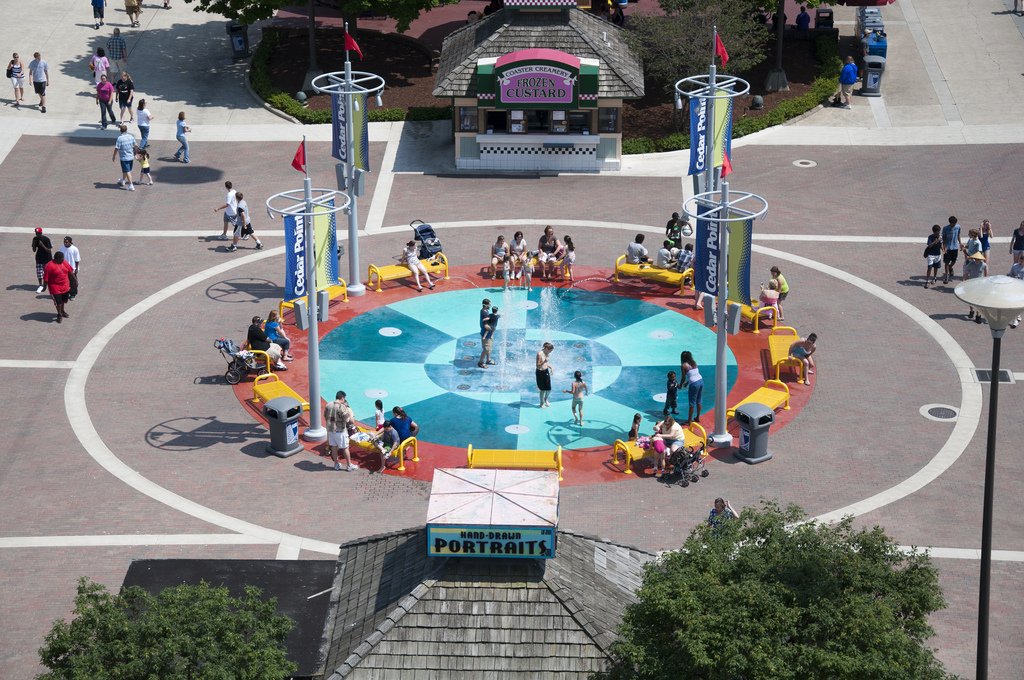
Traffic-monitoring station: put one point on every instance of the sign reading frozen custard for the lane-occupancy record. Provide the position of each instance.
(537, 78)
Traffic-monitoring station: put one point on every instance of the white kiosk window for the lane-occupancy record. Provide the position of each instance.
(579, 122)
(518, 124)
(559, 123)
(468, 119)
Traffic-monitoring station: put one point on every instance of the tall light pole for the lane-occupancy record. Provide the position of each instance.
(1000, 299)
(303, 205)
(347, 85)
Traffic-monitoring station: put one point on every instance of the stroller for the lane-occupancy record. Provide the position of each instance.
(689, 463)
(430, 245)
(241, 362)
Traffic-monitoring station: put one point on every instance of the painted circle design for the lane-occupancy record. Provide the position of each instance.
(389, 332)
(624, 347)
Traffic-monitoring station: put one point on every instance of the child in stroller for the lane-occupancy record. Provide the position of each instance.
(689, 462)
(430, 245)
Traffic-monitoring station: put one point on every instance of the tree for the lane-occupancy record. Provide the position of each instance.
(249, 11)
(678, 44)
(768, 597)
(185, 632)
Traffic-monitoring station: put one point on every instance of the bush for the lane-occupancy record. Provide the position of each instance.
(385, 115)
(826, 53)
(429, 113)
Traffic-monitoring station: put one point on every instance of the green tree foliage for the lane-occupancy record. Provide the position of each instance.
(193, 632)
(761, 599)
(678, 44)
(249, 11)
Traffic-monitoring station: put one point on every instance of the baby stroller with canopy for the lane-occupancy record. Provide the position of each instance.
(430, 245)
(241, 362)
(690, 463)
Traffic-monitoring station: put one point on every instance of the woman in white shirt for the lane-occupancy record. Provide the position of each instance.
(143, 117)
(520, 254)
(100, 65)
(410, 258)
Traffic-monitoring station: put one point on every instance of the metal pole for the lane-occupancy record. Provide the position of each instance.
(721, 436)
(709, 127)
(987, 511)
(316, 431)
(355, 286)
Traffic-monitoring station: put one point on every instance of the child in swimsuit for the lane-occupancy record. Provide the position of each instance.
(578, 390)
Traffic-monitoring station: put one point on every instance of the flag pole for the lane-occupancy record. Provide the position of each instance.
(316, 431)
(355, 286)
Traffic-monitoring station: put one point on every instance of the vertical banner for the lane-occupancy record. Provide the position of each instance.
(705, 259)
(698, 129)
(339, 122)
(325, 233)
(723, 130)
(360, 134)
(739, 259)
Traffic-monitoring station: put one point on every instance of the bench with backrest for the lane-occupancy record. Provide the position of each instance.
(514, 459)
(340, 290)
(649, 272)
(755, 316)
(779, 342)
(376, 275)
(773, 394)
(693, 435)
(270, 386)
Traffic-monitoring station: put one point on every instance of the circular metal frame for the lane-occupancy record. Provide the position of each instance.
(295, 202)
(361, 82)
(736, 203)
(726, 87)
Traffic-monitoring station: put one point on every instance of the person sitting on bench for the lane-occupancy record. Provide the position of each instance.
(257, 340)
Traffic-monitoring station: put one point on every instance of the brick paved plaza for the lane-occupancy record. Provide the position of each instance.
(123, 442)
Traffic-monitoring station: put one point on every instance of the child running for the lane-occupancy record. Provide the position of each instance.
(578, 390)
(671, 393)
(143, 157)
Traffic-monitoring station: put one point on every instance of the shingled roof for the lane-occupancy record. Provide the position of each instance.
(573, 31)
(397, 613)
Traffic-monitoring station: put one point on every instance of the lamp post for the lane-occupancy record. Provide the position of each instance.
(303, 205)
(1000, 299)
(347, 84)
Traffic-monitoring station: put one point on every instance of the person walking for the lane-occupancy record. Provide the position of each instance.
(143, 118)
(847, 78)
(132, 9)
(97, 12)
(180, 132)
(74, 258)
(144, 169)
(230, 209)
(986, 238)
(105, 100)
(975, 267)
(42, 249)
(337, 418)
(243, 225)
(124, 150)
(1017, 242)
(933, 255)
(544, 370)
(99, 65)
(952, 244)
(578, 390)
(40, 72)
(1017, 272)
(125, 95)
(57, 275)
(117, 50)
(488, 322)
(16, 72)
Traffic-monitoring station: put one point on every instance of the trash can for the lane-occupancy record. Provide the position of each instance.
(871, 81)
(754, 421)
(876, 44)
(238, 34)
(283, 420)
(869, 19)
(823, 18)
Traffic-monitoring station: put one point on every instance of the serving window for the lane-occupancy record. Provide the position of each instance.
(579, 122)
(468, 119)
(497, 121)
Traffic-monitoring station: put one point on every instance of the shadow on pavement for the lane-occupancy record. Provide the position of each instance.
(191, 433)
(185, 174)
(243, 290)
(426, 146)
(45, 317)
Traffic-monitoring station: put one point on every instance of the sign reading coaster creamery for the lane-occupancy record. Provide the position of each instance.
(537, 79)
(491, 541)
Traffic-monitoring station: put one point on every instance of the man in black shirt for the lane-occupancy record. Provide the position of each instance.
(43, 249)
(257, 339)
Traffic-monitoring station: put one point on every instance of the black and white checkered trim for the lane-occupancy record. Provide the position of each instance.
(508, 150)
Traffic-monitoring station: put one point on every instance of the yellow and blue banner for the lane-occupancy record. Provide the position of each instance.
(326, 238)
(360, 131)
(707, 257)
(698, 129)
(739, 260)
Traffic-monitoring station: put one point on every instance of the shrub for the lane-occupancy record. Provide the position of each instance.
(384, 115)
(638, 145)
(429, 113)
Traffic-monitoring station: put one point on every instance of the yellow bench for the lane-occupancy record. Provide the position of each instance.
(693, 435)
(779, 342)
(392, 272)
(773, 394)
(652, 273)
(270, 386)
(400, 450)
(336, 291)
(753, 315)
(511, 458)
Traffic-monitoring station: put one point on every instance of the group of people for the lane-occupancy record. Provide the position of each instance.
(342, 430)
(515, 260)
(133, 8)
(237, 217)
(269, 336)
(57, 271)
(37, 69)
(945, 243)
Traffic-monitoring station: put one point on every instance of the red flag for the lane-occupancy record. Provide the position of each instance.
(350, 44)
(719, 50)
(299, 162)
(726, 165)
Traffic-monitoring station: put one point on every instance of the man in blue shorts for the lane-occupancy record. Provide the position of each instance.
(951, 245)
(124, 150)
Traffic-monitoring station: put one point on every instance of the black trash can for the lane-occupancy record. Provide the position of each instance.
(283, 420)
(238, 35)
(871, 81)
(754, 421)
